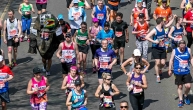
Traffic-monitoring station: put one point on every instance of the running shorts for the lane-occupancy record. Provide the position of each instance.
(83, 48)
(5, 97)
(118, 43)
(12, 43)
(41, 6)
(158, 53)
(183, 79)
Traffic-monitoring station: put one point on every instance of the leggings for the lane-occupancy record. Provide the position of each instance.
(143, 47)
(26, 24)
(40, 106)
(148, 6)
(137, 101)
(189, 38)
(94, 47)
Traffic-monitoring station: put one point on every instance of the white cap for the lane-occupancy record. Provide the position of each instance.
(1, 58)
(136, 52)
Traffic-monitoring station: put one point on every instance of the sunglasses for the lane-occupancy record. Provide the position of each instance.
(137, 68)
(108, 79)
(68, 36)
(124, 106)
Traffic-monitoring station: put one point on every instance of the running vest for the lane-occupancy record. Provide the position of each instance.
(12, 28)
(81, 38)
(133, 80)
(3, 75)
(71, 81)
(160, 36)
(68, 53)
(39, 96)
(80, 98)
(181, 62)
(143, 28)
(100, 14)
(177, 33)
(41, 1)
(119, 30)
(93, 33)
(136, 12)
(77, 15)
(26, 8)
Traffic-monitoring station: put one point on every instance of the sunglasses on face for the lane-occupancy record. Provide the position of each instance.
(68, 36)
(124, 106)
(108, 79)
(137, 68)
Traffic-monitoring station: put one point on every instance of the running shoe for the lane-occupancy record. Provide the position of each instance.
(43, 69)
(180, 104)
(10, 66)
(21, 39)
(28, 40)
(94, 69)
(186, 100)
(14, 64)
(47, 73)
(158, 80)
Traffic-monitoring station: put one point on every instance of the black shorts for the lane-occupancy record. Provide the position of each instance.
(66, 68)
(5, 97)
(12, 43)
(68, 2)
(114, 8)
(83, 48)
(158, 53)
(94, 47)
(183, 79)
(118, 43)
(41, 6)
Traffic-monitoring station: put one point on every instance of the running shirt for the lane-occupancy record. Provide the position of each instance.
(81, 38)
(136, 89)
(93, 33)
(80, 98)
(41, 95)
(160, 36)
(12, 28)
(81, 3)
(4, 74)
(165, 13)
(69, 53)
(177, 34)
(136, 12)
(105, 58)
(26, 9)
(143, 28)
(113, 2)
(41, 1)
(108, 100)
(189, 17)
(71, 81)
(181, 62)
(119, 29)
(101, 15)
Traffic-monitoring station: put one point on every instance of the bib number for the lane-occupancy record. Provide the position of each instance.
(104, 62)
(118, 34)
(13, 32)
(137, 89)
(161, 43)
(108, 101)
(100, 16)
(82, 38)
(183, 64)
(76, 15)
(2, 84)
(178, 38)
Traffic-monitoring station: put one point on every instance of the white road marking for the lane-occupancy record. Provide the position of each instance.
(191, 92)
(32, 23)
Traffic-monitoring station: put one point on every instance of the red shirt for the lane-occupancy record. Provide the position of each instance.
(189, 17)
(5, 69)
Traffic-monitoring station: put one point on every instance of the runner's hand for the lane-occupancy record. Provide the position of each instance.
(110, 67)
(76, 100)
(157, 42)
(142, 72)
(5, 80)
(126, 40)
(36, 89)
(102, 95)
(5, 41)
(131, 23)
(170, 73)
(62, 60)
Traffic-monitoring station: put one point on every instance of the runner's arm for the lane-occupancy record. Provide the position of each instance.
(114, 61)
(64, 83)
(70, 16)
(191, 58)
(19, 28)
(96, 59)
(29, 88)
(32, 8)
(86, 98)
(58, 54)
(146, 15)
(98, 37)
(47, 84)
(152, 32)
(170, 21)
(171, 60)
(77, 51)
(155, 14)
(71, 4)
(87, 6)
(116, 90)
(187, 21)
(182, 4)
(93, 12)
(144, 85)
(146, 64)
(131, 17)
(68, 103)
(108, 13)
(84, 15)
(97, 93)
(125, 64)
(134, 29)
(0, 24)
(170, 32)
(19, 10)
(82, 81)
(68, 27)
(74, 37)
(126, 32)
(128, 80)
(4, 30)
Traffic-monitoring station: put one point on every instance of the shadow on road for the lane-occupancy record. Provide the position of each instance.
(122, 4)
(117, 74)
(21, 60)
(120, 96)
(148, 102)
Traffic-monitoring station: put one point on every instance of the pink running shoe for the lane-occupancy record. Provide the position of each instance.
(21, 39)
(28, 40)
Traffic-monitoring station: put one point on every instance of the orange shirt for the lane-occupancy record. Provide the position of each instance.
(143, 28)
(136, 12)
(161, 12)
(114, 3)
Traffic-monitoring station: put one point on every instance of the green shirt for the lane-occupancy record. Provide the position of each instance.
(81, 4)
(81, 38)
(26, 8)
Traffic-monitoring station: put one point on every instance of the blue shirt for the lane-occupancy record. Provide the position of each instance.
(101, 15)
(81, 99)
(177, 33)
(160, 36)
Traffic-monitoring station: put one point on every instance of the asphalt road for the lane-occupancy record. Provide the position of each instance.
(161, 96)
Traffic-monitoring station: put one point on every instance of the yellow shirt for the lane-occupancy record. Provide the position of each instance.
(160, 2)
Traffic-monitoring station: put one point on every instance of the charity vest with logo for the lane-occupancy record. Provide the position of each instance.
(26, 8)
(71, 82)
(143, 28)
(119, 29)
(76, 13)
(4, 86)
(69, 53)
(181, 62)
(136, 89)
(160, 36)
(12, 28)
(136, 12)
(101, 15)
(81, 38)
(80, 98)
(40, 96)
(177, 34)
(41, 1)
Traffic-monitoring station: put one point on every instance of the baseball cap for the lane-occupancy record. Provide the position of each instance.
(95, 20)
(136, 52)
(75, 1)
(141, 15)
(60, 16)
(139, 1)
(164, 0)
(36, 70)
(1, 58)
(77, 82)
(107, 24)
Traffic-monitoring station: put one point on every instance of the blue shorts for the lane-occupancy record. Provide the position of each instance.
(100, 72)
(114, 8)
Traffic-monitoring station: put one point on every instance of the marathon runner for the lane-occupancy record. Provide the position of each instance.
(136, 84)
(143, 3)
(11, 33)
(180, 60)
(37, 88)
(101, 12)
(158, 45)
(141, 28)
(113, 5)
(124, 105)
(76, 15)
(2, 54)
(41, 6)
(94, 44)
(92, 3)
(69, 54)
(82, 39)
(81, 3)
(25, 9)
(185, 5)
(188, 19)
(5, 76)
(104, 60)
(107, 34)
(120, 29)
(136, 11)
(176, 32)
(69, 80)
(106, 92)
(1, 26)
(77, 98)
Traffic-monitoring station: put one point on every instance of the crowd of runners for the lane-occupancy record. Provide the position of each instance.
(106, 38)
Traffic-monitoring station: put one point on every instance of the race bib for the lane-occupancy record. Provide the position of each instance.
(178, 38)
(76, 15)
(100, 16)
(109, 40)
(118, 34)
(161, 43)
(104, 62)
(137, 89)
(45, 35)
(2, 84)
(107, 99)
(183, 64)
(13, 32)
(68, 55)
(82, 38)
